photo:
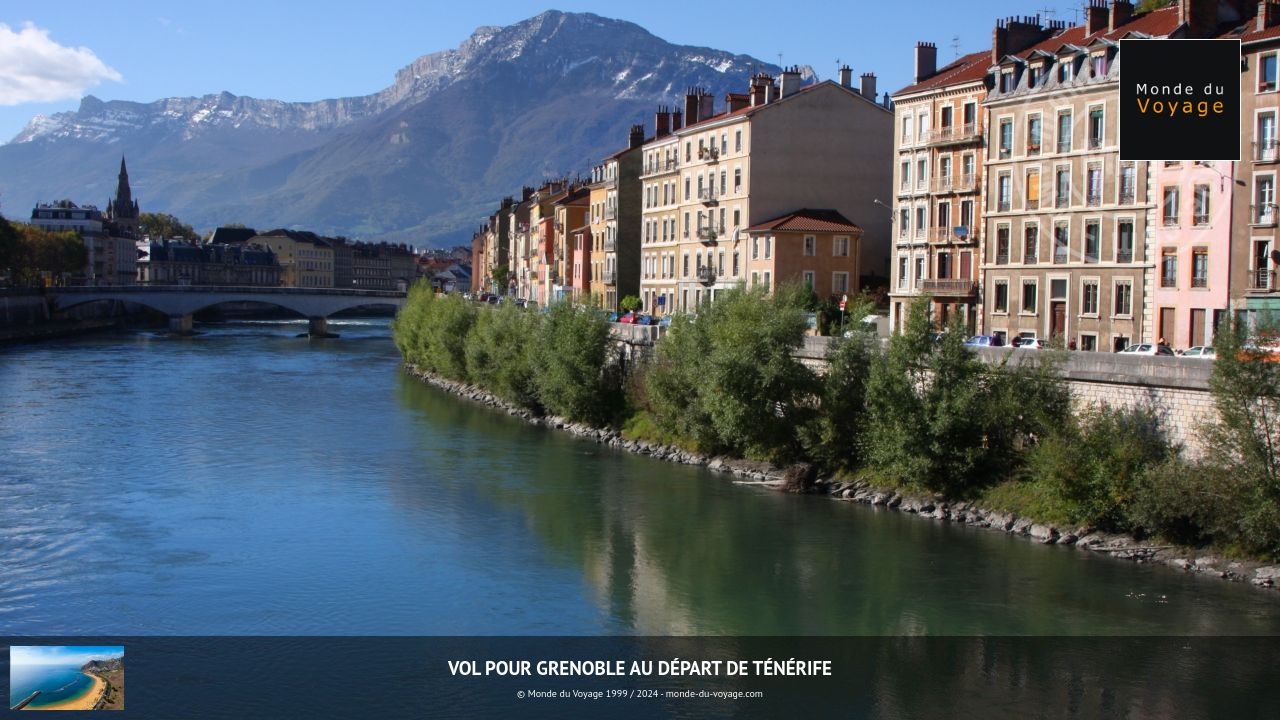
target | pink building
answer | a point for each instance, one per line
(581, 267)
(1191, 250)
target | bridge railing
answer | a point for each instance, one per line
(236, 289)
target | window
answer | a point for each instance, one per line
(810, 245)
(1124, 298)
(1124, 241)
(1006, 138)
(1033, 75)
(1062, 193)
(840, 246)
(1032, 200)
(1089, 297)
(1092, 240)
(904, 222)
(1093, 185)
(902, 272)
(1088, 342)
(766, 281)
(970, 116)
(1002, 245)
(966, 215)
(737, 141)
(922, 173)
(1096, 132)
(919, 269)
(737, 180)
(1002, 296)
(768, 247)
(1128, 183)
(1099, 63)
(1031, 244)
(1200, 268)
(1265, 200)
(1267, 72)
(1064, 132)
(808, 279)
(686, 187)
(735, 263)
(1061, 243)
(1064, 71)
(1170, 206)
(944, 170)
(1202, 205)
(1029, 290)
(1004, 190)
(1168, 268)
(1033, 135)
(686, 264)
(944, 266)
(839, 283)
(905, 182)
(737, 217)
(922, 221)
(944, 217)
(906, 129)
(1006, 81)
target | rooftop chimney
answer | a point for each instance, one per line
(662, 122)
(770, 92)
(736, 101)
(759, 82)
(1095, 16)
(1015, 34)
(1200, 17)
(1268, 15)
(846, 76)
(706, 104)
(677, 120)
(868, 88)
(790, 81)
(692, 104)
(1121, 11)
(926, 60)
(636, 138)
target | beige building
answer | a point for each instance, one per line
(593, 274)
(305, 259)
(937, 179)
(776, 149)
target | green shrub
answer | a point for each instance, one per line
(1098, 463)
(410, 322)
(499, 352)
(569, 364)
(446, 321)
(836, 437)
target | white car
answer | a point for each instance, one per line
(1147, 349)
(1029, 343)
(1205, 352)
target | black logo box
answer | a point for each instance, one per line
(1190, 65)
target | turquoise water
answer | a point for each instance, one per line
(248, 482)
(56, 684)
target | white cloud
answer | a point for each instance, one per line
(34, 68)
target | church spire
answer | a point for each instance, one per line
(123, 209)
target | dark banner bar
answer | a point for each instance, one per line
(645, 677)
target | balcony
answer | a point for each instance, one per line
(1265, 152)
(1124, 255)
(1061, 201)
(1093, 200)
(1002, 258)
(1261, 280)
(1064, 146)
(610, 244)
(1030, 256)
(948, 235)
(1199, 219)
(706, 274)
(710, 154)
(953, 135)
(1033, 149)
(661, 166)
(1199, 281)
(1005, 153)
(609, 277)
(1095, 143)
(1060, 256)
(1263, 214)
(1126, 196)
(1032, 203)
(708, 196)
(610, 212)
(709, 233)
(951, 288)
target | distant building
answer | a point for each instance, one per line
(123, 211)
(306, 259)
(819, 248)
(174, 262)
(111, 259)
(455, 278)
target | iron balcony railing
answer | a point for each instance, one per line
(1126, 196)
(1265, 151)
(1263, 214)
(610, 212)
(953, 134)
(1124, 255)
(706, 274)
(708, 196)
(610, 244)
(1261, 279)
(609, 277)
(950, 287)
(1030, 256)
(1199, 281)
(709, 233)
(1002, 258)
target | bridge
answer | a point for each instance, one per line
(180, 302)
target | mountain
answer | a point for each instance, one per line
(420, 162)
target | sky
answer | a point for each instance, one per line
(52, 54)
(62, 655)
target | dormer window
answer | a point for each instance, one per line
(1064, 70)
(1099, 62)
(1033, 77)
(1006, 81)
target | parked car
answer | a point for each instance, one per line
(664, 321)
(628, 319)
(984, 341)
(1205, 352)
(614, 317)
(1026, 343)
(645, 320)
(1147, 349)
(494, 299)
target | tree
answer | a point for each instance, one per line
(630, 303)
(569, 364)
(162, 225)
(837, 436)
(501, 276)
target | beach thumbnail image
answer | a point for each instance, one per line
(66, 677)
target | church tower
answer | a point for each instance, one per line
(123, 210)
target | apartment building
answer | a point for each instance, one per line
(1255, 251)
(774, 150)
(570, 210)
(595, 235)
(937, 179)
(622, 219)
(305, 259)
(659, 180)
(518, 244)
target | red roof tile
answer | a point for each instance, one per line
(807, 220)
(966, 69)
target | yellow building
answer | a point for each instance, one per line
(305, 259)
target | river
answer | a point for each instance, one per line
(249, 482)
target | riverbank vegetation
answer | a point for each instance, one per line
(28, 253)
(923, 415)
